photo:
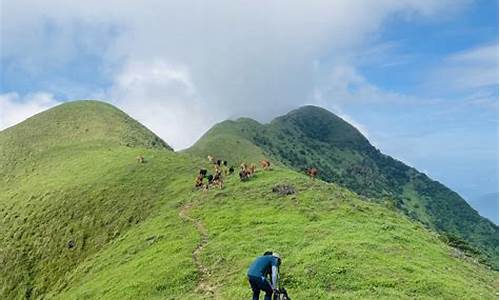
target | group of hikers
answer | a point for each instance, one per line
(222, 169)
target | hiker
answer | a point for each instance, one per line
(261, 268)
(140, 159)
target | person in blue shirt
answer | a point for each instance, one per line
(261, 268)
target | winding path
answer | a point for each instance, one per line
(204, 286)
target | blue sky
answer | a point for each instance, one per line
(419, 78)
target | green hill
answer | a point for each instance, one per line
(82, 219)
(83, 123)
(314, 137)
(60, 169)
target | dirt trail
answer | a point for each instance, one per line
(204, 286)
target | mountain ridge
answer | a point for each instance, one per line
(314, 137)
(96, 120)
(83, 219)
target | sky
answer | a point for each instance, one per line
(418, 77)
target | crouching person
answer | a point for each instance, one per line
(259, 272)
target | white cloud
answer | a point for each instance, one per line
(486, 54)
(347, 86)
(179, 66)
(470, 69)
(162, 97)
(14, 108)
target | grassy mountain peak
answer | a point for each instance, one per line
(84, 122)
(322, 125)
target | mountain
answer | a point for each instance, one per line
(76, 123)
(314, 137)
(82, 219)
(65, 176)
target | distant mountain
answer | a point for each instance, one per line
(81, 218)
(314, 137)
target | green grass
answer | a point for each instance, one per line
(334, 245)
(91, 199)
(131, 243)
(151, 261)
(314, 137)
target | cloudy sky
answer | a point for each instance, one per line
(418, 77)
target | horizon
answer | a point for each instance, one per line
(419, 79)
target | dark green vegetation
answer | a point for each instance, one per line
(314, 137)
(81, 219)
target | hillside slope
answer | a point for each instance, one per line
(68, 174)
(74, 123)
(86, 221)
(314, 137)
(334, 245)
